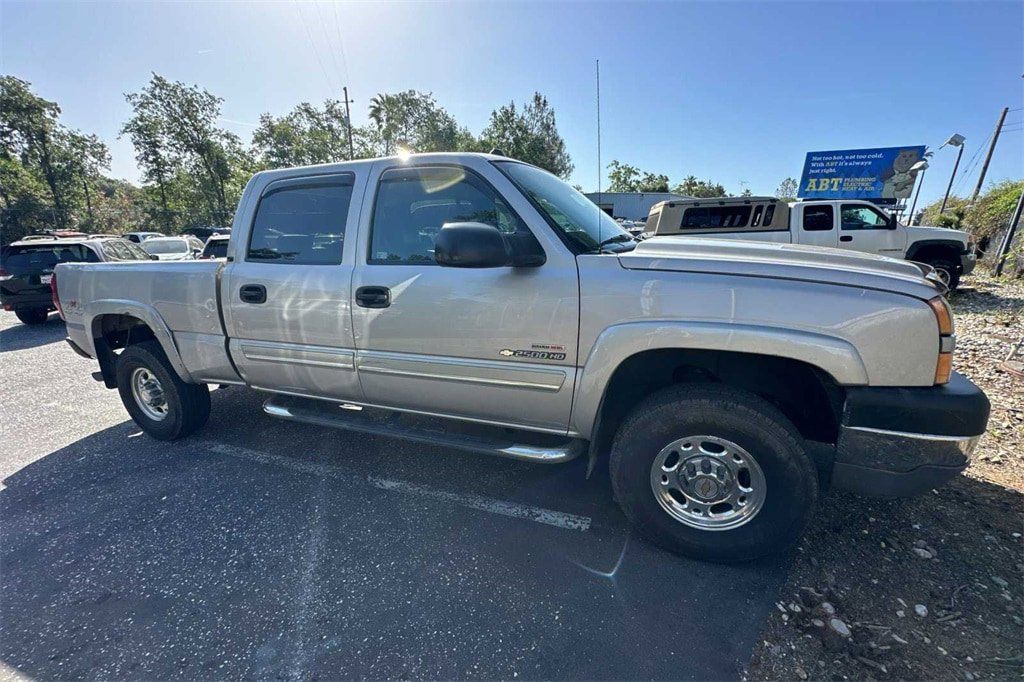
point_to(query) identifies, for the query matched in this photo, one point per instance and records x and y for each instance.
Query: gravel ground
(927, 588)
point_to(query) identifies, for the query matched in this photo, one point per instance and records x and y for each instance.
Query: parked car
(480, 289)
(139, 237)
(173, 248)
(847, 224)
(26, 268)
(204, 233)
(216, 247)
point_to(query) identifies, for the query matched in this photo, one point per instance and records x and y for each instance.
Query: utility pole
(988, 157)
(1004, 247)
(348, 121)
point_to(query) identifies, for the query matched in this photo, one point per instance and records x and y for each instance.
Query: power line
(330, 46)
(309, 35)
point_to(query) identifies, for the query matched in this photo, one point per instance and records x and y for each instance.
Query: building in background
(630, 205)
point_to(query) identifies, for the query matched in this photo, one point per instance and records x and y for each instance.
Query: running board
(487, 440)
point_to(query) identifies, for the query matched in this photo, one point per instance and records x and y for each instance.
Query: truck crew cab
(473, 288)
(848, 224)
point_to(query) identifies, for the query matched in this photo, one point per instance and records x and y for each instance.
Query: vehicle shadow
(263, 548)
(23, 336)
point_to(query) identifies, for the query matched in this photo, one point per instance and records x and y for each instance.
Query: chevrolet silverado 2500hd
(480, 289)
(849, 224)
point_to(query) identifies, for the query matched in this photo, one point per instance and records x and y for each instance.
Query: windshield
(577, 217)
(159, 246)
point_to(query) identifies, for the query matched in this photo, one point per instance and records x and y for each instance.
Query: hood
(781, 261)
(922, 232)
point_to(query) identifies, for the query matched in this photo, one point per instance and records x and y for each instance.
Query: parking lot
(264, 548)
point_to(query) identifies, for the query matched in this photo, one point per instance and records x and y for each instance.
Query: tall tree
(529, 134)
(184, 118)
(415, 121)
(787, 189)
(623, 177)
(692, 187)
(304, 136)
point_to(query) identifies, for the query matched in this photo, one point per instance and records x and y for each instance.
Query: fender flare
(834, 356)
(147, 314)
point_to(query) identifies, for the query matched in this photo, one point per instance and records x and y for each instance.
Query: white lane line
(490, 505)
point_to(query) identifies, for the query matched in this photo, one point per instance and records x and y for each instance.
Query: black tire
(683, 410)
(188, 405)
(33, 316)
(950, 268)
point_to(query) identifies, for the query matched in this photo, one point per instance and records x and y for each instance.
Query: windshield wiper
(614, 240)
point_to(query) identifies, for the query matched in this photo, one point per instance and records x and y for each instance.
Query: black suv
(26, 268)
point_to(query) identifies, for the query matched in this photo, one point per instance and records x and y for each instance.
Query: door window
(860, 217)
(301, 223)
(414, 203)
(818, 218)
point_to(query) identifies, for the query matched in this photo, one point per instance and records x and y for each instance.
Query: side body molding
(147, 314)
(615, 344)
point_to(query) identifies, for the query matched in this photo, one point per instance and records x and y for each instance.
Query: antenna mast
(597, 66)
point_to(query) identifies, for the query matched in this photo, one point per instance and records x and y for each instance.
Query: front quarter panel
(857, 336)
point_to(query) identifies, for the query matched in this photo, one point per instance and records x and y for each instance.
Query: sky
(736, 92)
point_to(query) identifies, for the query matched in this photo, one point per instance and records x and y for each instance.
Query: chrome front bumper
(897, 464)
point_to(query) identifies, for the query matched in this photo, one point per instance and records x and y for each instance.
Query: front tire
(157, 399)
(33, 316)
(713, 472)
(948, 271)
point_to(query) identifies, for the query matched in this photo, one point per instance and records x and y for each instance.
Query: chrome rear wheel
(149, 394)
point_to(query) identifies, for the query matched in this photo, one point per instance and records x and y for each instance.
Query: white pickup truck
(493, 298)
(847, 224)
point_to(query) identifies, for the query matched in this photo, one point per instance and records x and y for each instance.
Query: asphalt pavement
(261, 548)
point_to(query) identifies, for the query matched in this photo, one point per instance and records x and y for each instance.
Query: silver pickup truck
(718, 382)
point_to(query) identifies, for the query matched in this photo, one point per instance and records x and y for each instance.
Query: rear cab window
(301, 221)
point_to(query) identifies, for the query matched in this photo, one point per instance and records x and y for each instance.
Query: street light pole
(913, 205)
(956, 140)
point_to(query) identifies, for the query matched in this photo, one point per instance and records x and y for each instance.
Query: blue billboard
(878, 174)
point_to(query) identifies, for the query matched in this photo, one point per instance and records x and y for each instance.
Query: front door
(863, 227)
(286, 296)
(496, 345)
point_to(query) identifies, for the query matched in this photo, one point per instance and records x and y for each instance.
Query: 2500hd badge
(531, 354)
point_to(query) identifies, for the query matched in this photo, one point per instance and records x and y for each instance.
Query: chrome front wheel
(149, 394)
(708, 483)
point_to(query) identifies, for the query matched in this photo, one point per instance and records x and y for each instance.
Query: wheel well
(931, 252)
(113, 332)
(808, 396)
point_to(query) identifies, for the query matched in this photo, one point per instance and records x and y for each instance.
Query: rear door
(287, 293)
(815, 224)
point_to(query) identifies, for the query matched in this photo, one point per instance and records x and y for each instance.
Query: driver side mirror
(893, 223)
(478, 245)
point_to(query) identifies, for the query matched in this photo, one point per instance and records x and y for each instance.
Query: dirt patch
(930, 587)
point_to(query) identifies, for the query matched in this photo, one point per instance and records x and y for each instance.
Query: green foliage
(953, 216)
(787, 189)
(305, 136)
(623, 177)
(691, 186)
(49, 171)
(991, 213)
(529, 134)
(412, 120)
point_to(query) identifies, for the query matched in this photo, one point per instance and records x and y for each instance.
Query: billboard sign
(877, 174)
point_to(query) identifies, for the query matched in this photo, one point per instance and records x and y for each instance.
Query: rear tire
(713, 472)
(157, 399)
(33, 316)
(949, 272)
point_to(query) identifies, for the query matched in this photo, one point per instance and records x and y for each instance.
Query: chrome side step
(481, 439)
